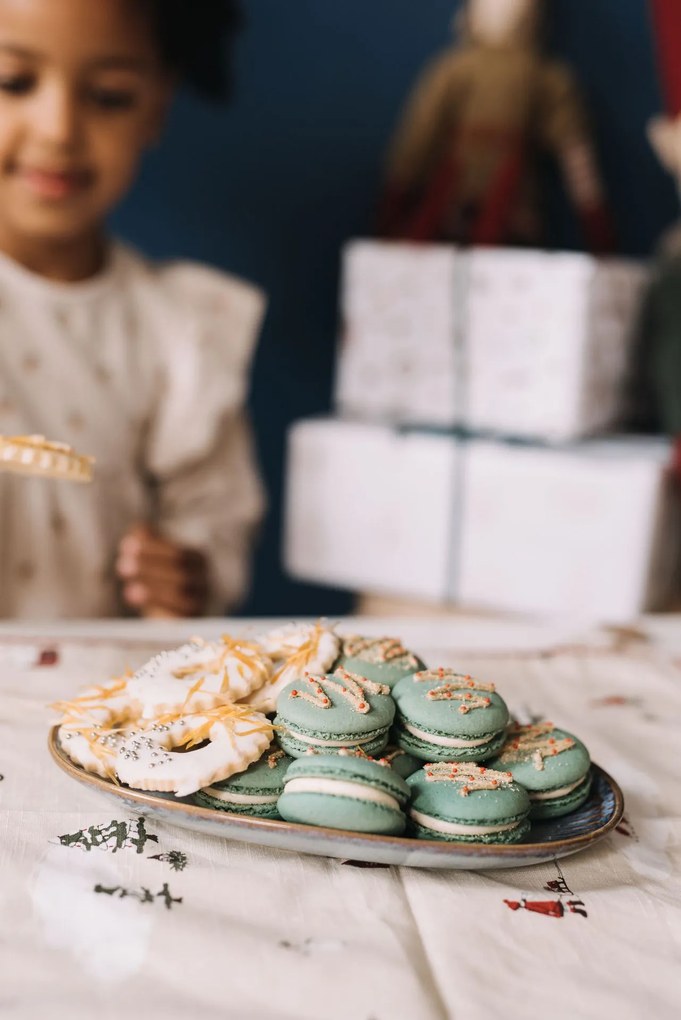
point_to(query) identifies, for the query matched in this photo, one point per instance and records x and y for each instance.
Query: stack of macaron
(458, 768)
(355, 733)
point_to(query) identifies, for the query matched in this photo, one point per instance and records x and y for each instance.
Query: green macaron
(344, 792)
(448, 716)
(328, 712)
(253, 792)
(552, 765)
(384, 660)
(398, 760)
(466, 802)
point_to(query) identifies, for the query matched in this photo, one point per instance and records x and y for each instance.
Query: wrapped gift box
(548, 342)
(591, 530)
(522, 343)
(370, 509)
(398, 359)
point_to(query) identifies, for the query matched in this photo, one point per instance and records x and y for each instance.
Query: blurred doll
(463, 164)
(659, 357)
(144, 366)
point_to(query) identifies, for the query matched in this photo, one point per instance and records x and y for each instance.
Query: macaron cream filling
(458, 828)
(351, 739)
(449, 715)
(442, 741)
(231, 797)
(342, 788)
(561, 791)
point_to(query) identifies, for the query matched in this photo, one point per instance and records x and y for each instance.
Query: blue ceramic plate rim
(361, 847)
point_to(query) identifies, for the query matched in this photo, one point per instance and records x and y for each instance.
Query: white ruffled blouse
(145, 367)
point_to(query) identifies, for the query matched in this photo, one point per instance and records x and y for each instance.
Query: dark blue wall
(271, 187)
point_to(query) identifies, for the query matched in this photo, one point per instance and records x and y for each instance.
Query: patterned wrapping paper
(368, 508)
(524, 343)
(397, 361)
(590, 529)
(104, 915)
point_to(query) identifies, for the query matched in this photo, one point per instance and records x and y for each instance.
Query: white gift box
(514, 342)
(548, 342)
(397, 360)
(591, 530)
(368, 508)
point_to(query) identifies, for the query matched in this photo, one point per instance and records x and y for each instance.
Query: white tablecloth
(105, 916)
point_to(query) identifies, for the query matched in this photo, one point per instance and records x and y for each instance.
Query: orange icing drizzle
(456, 687)
(473, 777)
(248, 655)
(78, 719)
(453, 692)
(533, 742)
(377, 650)
(96, 698)
(228, 713)
(273, 758)
(354, 752)
(353, 690)
(105, 753)
(450, 676)
(388, 759)
(300, 658)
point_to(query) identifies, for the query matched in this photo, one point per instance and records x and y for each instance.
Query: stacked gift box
(475, 458)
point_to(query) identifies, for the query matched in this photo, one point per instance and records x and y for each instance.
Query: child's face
(82, 94)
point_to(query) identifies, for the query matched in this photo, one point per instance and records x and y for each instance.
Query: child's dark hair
(196, 38)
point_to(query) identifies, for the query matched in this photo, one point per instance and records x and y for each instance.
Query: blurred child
(143, 366)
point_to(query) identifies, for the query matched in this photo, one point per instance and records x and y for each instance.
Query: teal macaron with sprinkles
(344, 792)
(252, 792)
(328, 712)
(401, 762)
(552, 764)
(465, 802)
(384, 660)
(447, 716)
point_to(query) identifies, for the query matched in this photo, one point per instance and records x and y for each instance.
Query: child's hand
(159, 577)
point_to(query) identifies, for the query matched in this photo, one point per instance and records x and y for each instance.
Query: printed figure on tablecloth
(144, 895)
(175, 858)
(565, 901)
(463, 164)
(113, 836)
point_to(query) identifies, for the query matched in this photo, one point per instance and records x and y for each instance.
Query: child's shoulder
(200, 326)
(193, 290)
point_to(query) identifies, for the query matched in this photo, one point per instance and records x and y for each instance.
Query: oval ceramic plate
(556, 838)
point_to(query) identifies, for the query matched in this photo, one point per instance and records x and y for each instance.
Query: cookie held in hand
(35, 455)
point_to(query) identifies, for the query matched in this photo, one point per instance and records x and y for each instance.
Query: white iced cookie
(298, 649)
(35, 455)
(93, 748)
(182, 754)
(282, 642)
(202, 673)
(93, 724)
